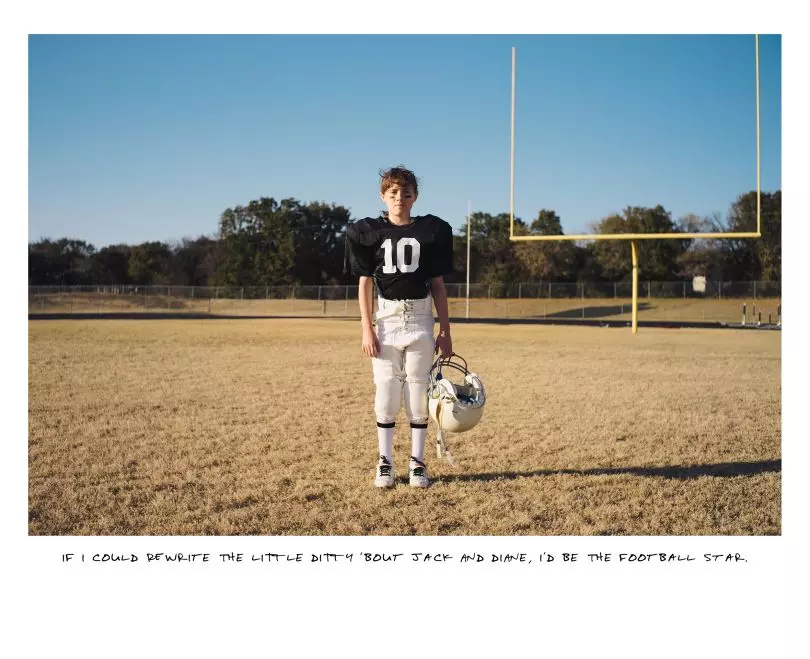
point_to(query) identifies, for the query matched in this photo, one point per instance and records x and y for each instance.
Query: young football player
(406, 257)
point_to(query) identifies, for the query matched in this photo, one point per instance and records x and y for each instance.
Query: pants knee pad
(388, 400)
(416, 401)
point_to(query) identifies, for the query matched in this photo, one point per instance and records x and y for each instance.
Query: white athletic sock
(385, 440)
(418, 435)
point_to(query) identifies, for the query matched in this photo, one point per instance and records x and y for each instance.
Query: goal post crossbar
(639, 236)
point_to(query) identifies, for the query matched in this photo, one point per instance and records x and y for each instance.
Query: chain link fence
(722, 301)
(649, 289)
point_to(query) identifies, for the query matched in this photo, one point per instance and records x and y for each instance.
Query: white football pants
(405, 332)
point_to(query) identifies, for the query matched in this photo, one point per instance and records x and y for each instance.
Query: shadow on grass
(592, 311)
(561, 318)
(721, 470)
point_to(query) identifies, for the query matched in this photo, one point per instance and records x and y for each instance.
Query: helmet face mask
(455, 406)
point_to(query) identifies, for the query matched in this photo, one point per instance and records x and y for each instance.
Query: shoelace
(385, 467)
(419, 470)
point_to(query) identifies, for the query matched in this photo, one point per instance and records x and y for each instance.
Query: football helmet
(455, 406)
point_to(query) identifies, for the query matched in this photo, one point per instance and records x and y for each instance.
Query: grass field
(208, 427)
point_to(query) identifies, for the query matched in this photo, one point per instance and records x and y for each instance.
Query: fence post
(582, 296)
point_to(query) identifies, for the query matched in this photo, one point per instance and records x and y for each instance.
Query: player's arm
(371, 345)
(439, 293)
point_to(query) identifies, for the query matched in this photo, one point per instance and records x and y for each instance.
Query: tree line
(270, 243)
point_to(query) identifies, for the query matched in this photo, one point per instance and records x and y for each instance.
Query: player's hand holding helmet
(456, 406)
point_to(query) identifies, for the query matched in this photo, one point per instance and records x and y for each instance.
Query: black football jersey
(402, 259)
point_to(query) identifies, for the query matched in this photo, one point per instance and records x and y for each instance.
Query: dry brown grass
(197, 427)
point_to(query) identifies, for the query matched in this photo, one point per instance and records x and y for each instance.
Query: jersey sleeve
(360, 253)
(441, 261)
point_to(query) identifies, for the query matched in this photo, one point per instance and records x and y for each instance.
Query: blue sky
(135, 138)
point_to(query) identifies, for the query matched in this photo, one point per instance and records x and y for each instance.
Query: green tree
(67, 261)
(111, 265)
(755, 258)
(194, 261)
(547, 261)
(258, 247)
(704, 256)
(588, 266)
(150, 263)
(318, 237)
(492, 254)
(657, 259)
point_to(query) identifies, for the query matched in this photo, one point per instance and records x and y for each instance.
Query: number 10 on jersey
(401, 265)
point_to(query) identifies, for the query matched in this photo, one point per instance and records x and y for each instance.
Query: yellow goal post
(633, 237)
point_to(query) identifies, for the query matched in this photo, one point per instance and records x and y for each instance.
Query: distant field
(209, 427)
(685, 309)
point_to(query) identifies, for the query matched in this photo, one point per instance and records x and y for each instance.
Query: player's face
(399, 200)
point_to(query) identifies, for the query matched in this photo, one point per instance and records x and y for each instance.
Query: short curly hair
(398, 176)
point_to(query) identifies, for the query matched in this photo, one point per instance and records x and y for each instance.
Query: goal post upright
(633, 237)
(759, 205)
(512, 157)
